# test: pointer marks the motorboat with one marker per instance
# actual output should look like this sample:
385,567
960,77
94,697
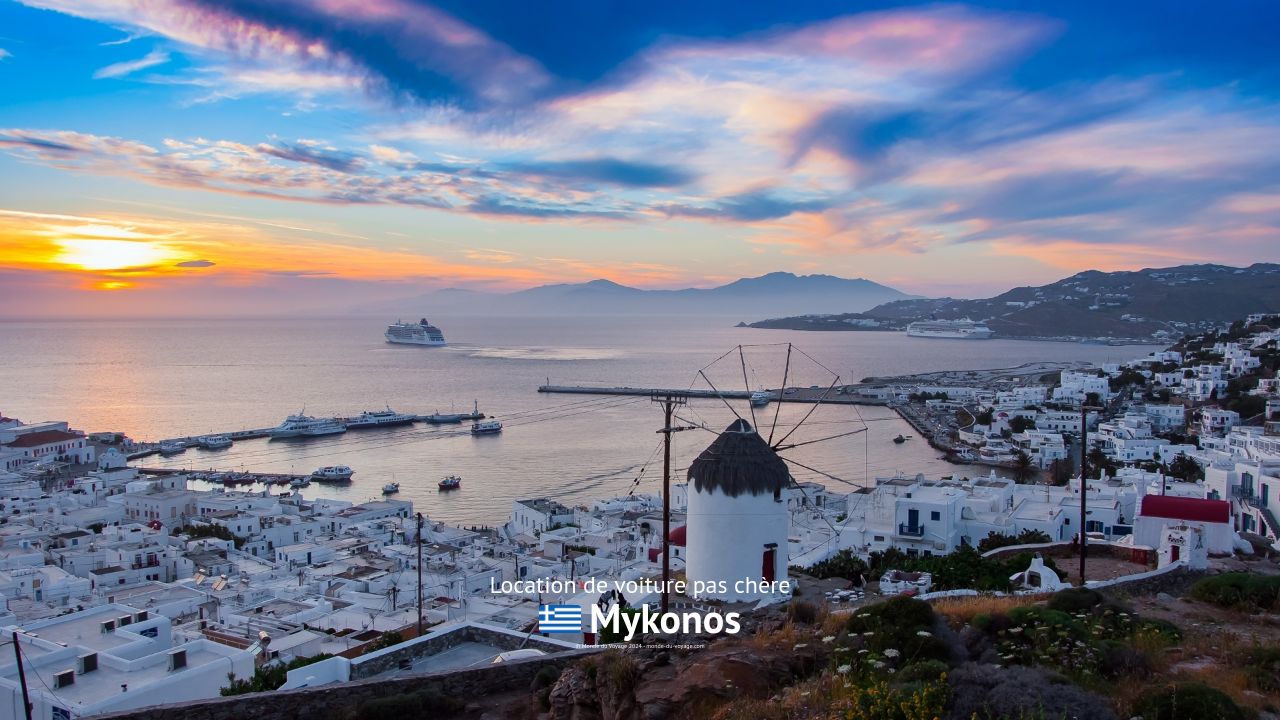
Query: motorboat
453,482
391,488
899,440
486,427
171,447
215,442
299,482
333,473
761,397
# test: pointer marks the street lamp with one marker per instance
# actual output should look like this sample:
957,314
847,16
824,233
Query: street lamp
1084,480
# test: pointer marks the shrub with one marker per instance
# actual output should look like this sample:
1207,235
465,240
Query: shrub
1239,590
843,564
1264,669
923,671
1121,660
881,701
896,632
803,613
390,638
988,692
995,540
1188,701
1075,599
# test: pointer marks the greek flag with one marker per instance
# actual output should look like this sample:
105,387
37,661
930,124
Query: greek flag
560,618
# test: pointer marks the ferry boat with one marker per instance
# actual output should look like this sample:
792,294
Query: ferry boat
215,442
379,418
486,427
453,482
391,488
301,425
333,473
437,418
761,397
419,333
954,329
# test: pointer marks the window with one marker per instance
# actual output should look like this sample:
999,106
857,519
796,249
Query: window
935,515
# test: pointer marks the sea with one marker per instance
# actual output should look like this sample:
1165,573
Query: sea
156,379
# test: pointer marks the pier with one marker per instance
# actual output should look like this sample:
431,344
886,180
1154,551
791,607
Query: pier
840,394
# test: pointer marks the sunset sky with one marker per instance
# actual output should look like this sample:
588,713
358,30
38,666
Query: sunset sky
240,156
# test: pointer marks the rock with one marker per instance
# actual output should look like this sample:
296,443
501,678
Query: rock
1165,597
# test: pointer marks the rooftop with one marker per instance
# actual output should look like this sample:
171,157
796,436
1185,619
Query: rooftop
43,437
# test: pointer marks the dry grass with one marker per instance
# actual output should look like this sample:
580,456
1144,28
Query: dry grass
961,611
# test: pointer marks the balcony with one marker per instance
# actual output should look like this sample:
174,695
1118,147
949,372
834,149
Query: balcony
1242,493
910,530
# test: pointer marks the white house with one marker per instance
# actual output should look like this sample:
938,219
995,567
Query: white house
1156,513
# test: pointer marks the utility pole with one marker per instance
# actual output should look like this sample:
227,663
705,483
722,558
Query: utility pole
419,539
1084,480
22,677
669,403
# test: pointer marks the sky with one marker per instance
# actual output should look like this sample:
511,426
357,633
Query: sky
244,157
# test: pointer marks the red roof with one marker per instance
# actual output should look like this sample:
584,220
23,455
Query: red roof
43,437
1181,508
677,536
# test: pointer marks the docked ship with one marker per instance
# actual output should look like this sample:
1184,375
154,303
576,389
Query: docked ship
954,329
419,333
760,398
297,426
215,442
379,418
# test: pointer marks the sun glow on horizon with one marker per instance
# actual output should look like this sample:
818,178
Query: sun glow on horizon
113,254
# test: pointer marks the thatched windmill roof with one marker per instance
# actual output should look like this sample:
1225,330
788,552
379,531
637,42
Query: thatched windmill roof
739,462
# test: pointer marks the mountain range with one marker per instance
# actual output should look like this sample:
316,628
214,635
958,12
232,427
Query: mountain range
778,292
1148,304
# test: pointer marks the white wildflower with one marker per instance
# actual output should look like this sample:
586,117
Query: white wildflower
924,633
844,669
891,653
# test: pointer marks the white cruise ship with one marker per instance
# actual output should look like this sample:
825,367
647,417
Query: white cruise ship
955,329
306,426
379,418
419,333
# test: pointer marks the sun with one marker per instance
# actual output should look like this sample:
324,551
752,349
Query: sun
112,254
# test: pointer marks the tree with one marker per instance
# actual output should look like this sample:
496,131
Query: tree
387,639
1023,467
1059,472
986,416
1022,423
995,540
1092,398
1185,468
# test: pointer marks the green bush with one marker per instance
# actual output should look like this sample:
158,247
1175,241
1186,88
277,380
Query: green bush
1239,590
995,540
1264,669
922,671
1075,600
843,564
896,632
1188,701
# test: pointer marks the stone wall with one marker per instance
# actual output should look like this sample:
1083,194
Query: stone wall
337,701
431,643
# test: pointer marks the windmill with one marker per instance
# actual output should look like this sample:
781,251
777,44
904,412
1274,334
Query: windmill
738,520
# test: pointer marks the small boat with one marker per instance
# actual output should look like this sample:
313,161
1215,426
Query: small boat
761,397
299,482
333,473
453,482
215,442
171,447
391,488
899,440
437,418
486,427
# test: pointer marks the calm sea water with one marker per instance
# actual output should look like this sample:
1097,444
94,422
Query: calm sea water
158,379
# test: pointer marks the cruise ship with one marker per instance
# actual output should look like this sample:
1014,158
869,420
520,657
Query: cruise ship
419,333
955,329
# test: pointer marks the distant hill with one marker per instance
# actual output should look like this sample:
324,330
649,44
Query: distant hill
1148,304
774,293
